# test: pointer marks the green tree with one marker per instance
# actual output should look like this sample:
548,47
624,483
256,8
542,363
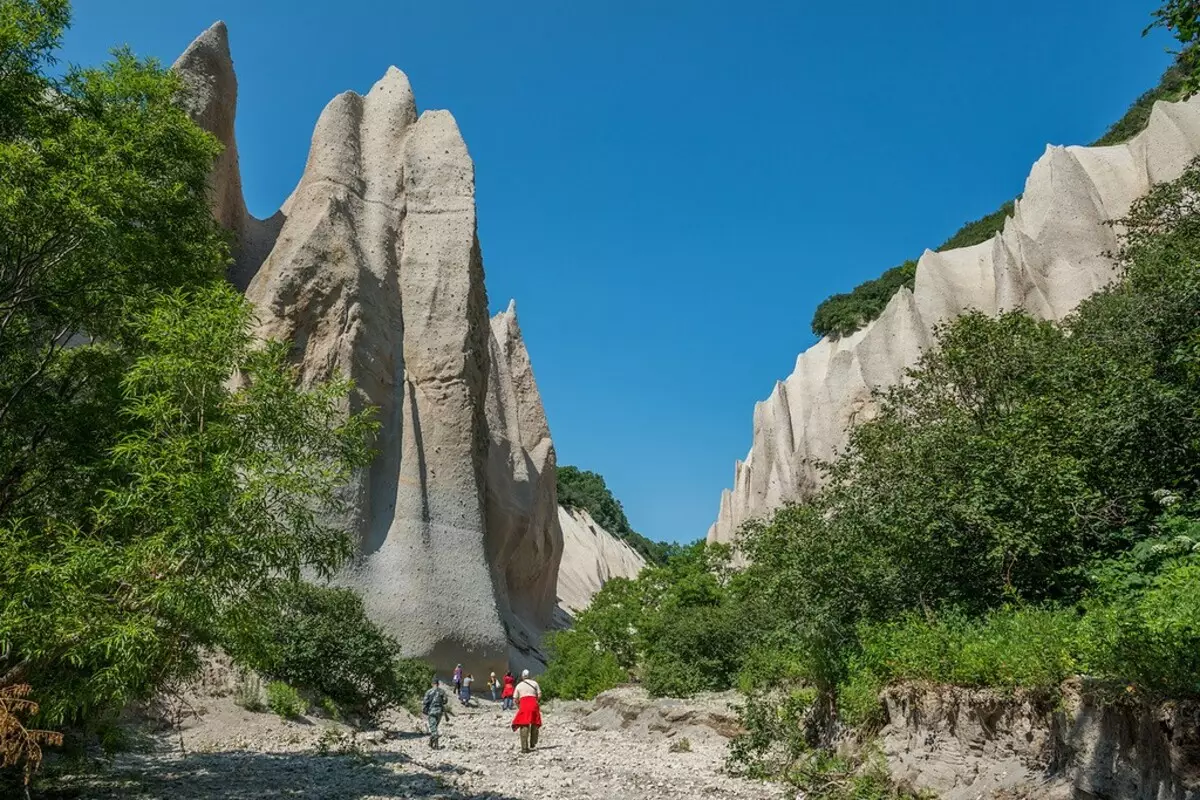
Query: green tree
1182,19
214,492
158,469
320,639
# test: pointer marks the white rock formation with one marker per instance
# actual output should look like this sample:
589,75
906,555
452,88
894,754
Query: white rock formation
1050,256
372,269
591,557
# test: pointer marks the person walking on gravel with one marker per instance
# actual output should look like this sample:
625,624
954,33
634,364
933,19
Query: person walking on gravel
433,706
493,685
529,712
458,680
506,694
465,694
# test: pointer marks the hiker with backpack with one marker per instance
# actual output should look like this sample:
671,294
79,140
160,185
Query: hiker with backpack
529,713
434,706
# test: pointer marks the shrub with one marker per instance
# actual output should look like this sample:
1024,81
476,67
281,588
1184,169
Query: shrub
1151,639
859,704
1012,647
412,678
284,700
320,639
249,693
696,649
579,669
330,709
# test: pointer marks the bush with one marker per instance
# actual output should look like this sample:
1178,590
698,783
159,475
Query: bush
249,693
412,680
1150,639
320,639
1011,647
698,649
285,701
579,669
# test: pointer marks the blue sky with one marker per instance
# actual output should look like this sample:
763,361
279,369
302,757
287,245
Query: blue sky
669,188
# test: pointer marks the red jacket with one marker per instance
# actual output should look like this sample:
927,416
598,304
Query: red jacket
529,712
509,686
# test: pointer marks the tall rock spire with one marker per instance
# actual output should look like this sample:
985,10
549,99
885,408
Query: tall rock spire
373,270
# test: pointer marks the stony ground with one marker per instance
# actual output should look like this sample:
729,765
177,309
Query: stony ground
613,752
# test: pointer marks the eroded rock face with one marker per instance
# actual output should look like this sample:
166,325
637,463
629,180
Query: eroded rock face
965,744
591,558
524,542
372,269
1050,256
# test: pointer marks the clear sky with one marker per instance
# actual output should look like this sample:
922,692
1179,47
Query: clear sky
670,187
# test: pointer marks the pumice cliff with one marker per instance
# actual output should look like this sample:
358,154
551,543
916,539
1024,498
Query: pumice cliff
373,270
1050,255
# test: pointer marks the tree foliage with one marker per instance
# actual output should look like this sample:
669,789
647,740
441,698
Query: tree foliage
159,470
675,627
1182,19
320,639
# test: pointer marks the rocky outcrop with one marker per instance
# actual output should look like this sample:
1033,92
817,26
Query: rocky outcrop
210,97
967,744
591,557
1050,255
372,270
631,710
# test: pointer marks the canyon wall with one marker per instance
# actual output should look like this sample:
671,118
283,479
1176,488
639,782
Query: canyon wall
372,269
591,557
1051,254
963,744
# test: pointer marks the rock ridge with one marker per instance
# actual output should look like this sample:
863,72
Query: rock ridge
1051,254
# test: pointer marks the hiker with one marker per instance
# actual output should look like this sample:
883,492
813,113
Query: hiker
506,696
458,679
433,706
465,694
529,713
493,685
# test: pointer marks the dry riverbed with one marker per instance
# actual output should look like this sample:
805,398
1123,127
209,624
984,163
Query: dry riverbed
624,747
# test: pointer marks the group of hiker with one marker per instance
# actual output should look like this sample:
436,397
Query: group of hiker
525,695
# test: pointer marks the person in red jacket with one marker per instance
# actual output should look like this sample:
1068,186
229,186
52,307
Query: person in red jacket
529,713
506,696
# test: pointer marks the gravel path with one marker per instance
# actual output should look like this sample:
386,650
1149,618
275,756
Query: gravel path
231,754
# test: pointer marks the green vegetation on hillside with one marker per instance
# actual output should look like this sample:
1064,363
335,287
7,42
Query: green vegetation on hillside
1022,509
843,314
587,490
